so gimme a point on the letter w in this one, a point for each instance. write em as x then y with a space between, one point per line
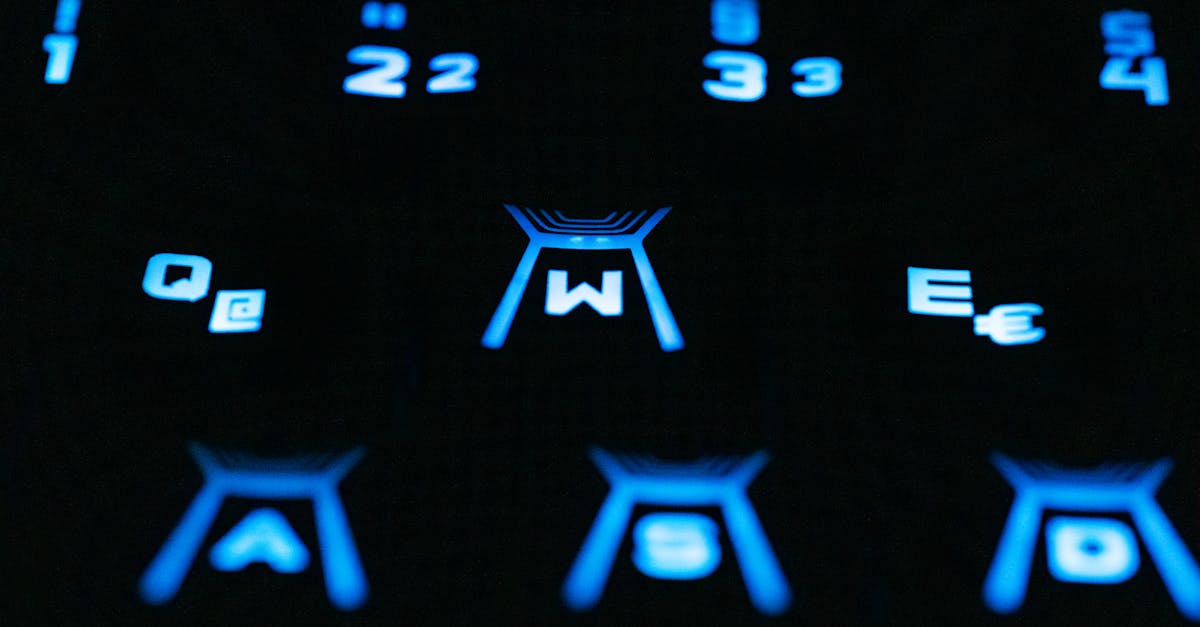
560 302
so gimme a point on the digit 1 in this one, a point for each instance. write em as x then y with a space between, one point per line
61 49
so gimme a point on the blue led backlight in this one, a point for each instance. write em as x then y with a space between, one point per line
66 15
62 43
234 311
1127 33
819 76
1008 325
743 75
237 311
1118 74
387 15
382 80
264 535
190 288
1088 550
1128 39
456 73
1091 550
387 66
674 545
624 231
735 22
677 545
560 301
934 292
61 51
938 292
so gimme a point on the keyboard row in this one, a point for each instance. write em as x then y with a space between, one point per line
654 516
931 291
739 71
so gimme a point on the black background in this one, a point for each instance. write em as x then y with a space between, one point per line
971 137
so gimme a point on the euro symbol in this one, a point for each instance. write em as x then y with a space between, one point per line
1008 325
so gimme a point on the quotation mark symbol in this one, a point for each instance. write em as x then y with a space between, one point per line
389 15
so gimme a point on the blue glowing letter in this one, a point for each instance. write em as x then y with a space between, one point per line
1091 550
677 545
264 535
553 230
951 300
1011 324
606 302
1088 550
237 311
735 22
192 288
314 479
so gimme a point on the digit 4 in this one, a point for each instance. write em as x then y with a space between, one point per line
1151 80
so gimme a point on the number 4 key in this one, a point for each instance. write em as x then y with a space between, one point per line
1128 38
